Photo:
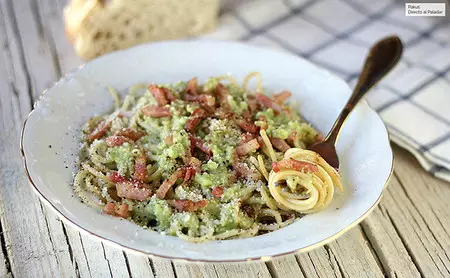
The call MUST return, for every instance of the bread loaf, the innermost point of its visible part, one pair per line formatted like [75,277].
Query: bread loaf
[96,27]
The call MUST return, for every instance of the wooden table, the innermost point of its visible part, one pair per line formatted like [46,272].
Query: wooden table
[407,235]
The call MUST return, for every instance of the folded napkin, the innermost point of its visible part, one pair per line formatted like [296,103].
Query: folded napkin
[413,100]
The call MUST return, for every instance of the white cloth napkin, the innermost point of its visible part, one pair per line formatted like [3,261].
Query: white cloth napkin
[413,101]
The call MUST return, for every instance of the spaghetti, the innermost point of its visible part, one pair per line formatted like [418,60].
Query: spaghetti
[208,161]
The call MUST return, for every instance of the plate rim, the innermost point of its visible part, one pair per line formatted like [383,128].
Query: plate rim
[79,228]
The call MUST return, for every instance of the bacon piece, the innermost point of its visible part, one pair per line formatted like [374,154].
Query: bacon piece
[99,131]
[156,111]
[140,168]
[133,191]
[245,137]
[217,191]
[115,141]
[260,141]
[169,95]
[243,171]
[292,164]
[198,143]
[268,103]
[110,209]
[252,103]
[246,148]
[223,113]
[247,115]
[281,98]
[169,182]
[222,91]
[115,177]
[192,86]
[291,138]
[159,94]
[279,144]
[195,118]
[203,99]
[122,211]
[189,174]
[248,126]
[187,205]
[130,133]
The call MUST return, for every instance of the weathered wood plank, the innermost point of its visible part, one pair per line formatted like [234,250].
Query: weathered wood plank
[353,255]
[248,269]
[286,266]
[36,50]
[139,265]
[26,237]
[194,270]
[348,256]
[162,268]
[412,205]
[59,241]
[392,253]
[116,261]
[318,263]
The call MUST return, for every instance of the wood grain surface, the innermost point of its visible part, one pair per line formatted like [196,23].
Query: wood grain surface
[407,235]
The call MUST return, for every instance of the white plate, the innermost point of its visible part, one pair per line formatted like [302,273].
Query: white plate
[364,149]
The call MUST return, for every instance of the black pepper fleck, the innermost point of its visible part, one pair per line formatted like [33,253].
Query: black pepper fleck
[67,167]
[50,146]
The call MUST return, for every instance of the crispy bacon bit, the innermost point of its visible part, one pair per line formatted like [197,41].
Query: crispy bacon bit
[169,182]
[133,191]
[203,99]
[168,140]
[115,177]
[245,137]
[279,144]
[115,141]
[223,113]
[247,148]
[260,141]
[197,143]
[243,171]
[110,209]
[247,115]
[268,103]
[159,94]
[99,131]
[169,95]
[187,205]
[122,211]
[217,191]
[248,126]
[222,91]
[130,133]
[291,138]
[252,103]
[156,111]
[140,168]
[292,164]
[281,98]
[192,86]
[195,118]
[190,173]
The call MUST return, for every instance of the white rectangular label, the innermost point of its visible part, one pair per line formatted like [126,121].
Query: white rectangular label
[424,9]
